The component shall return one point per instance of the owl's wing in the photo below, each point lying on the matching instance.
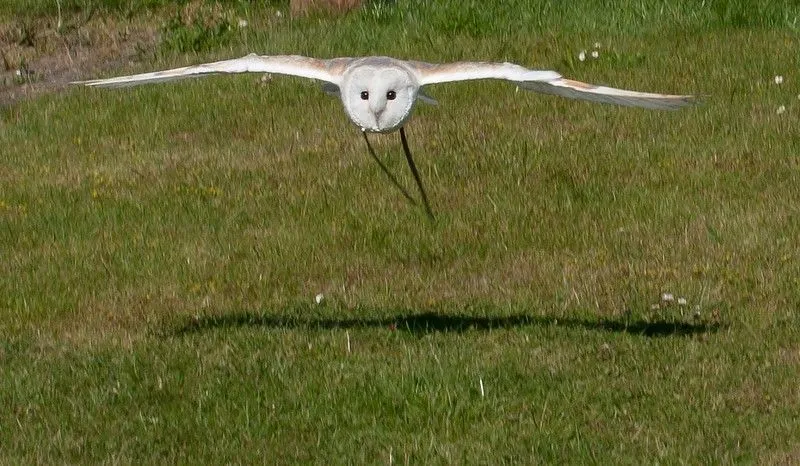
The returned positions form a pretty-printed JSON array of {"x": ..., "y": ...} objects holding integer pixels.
[
  {"x": 329, "y": 71},
  {"x": 547, "y": 82}
]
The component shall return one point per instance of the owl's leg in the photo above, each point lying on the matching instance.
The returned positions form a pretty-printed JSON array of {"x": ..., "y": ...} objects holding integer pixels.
[
  {"x": 388, "y": 173},
  {"x": 415, "y": 172}
]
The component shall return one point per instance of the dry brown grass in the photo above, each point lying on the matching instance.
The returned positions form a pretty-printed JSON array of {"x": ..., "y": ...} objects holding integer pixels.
[{"x": 50, "y": 59}]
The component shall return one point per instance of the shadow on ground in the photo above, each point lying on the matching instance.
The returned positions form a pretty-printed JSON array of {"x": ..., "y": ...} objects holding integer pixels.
[{"x": 431, "y": 322}]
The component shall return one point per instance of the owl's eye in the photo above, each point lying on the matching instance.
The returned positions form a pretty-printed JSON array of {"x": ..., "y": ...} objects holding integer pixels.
[
  {"x": 391, "y": 95},
  {"x": 364, "y": 95}
]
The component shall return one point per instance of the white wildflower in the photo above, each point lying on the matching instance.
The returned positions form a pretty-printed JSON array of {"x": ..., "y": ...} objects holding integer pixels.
[
  {"x": 278, "y": 14},
  {"x": 243, "y": 23},
  {"x": 595, "y": 54},
  {"x": 318, "y": 298},
  {"x": 781, "y": 110},
  {"x": 681, "y": 301},
  {"x": 597, "y": 45},
  {"x": 582, "y": 55},
  {"x": 667, "y": 297},
  {"x": 778, "y": 79}
]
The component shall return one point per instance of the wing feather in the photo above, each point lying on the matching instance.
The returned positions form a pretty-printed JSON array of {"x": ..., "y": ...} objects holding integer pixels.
[
  {"x": 609, "y": 95},
  {"x": 546, "y": 82},
  {"x": 324, "y": 70},
  {"x": 434, "y": 73}
]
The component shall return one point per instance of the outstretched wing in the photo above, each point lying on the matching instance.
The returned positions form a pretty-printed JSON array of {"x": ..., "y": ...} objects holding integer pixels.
[
  {"x": 329, "y": 71},
  {"x": 547, "y": 82}
]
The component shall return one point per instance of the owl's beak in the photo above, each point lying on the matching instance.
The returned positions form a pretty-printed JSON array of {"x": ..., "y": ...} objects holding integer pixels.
[
  {"x": 378, "y": 113},
  {"x": 377, "y": 108}
]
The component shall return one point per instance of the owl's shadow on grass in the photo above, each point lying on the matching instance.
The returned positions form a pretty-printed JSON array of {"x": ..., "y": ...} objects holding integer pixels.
[{"x": 421, "y": 323}]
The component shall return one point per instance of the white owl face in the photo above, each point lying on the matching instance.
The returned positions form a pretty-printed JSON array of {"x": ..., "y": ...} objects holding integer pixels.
[{"x": 379, "y": 100}]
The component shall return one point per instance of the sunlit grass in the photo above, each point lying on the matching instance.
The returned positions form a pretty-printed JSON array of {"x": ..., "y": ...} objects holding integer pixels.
[{"x": 162, "y": 248}]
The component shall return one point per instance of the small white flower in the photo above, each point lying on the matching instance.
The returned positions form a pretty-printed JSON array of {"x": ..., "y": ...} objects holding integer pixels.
[
  {"x": 318, "y": 298},
  {"x": 681, "y": 301},
  {"x": 582, "y": 55},
  {"x": 597, "y": 45},
  {"x": 781, "y": 110},
  {"x": 278, "y": 14},
  {"x": 19, "y": 72},
  {"x": 778, "y": 79},
  {"x": 667, "y": 297},
  {"x": 595, "y": 54},
  {"x": 243, "y": 23}
]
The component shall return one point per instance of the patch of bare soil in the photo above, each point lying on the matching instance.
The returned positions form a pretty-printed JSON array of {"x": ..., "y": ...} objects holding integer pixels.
[{"x": 38, "y": 56}]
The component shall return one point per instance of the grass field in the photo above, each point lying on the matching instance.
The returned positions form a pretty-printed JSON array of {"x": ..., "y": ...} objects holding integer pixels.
[{"x": 162, "y": 247}]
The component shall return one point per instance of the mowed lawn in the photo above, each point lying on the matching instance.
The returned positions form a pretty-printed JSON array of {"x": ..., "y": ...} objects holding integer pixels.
[{"x": 602, "y": 284}]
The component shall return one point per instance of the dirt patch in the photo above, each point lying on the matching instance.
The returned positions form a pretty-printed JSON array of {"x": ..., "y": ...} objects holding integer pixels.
[
  {"x": 39, "y": 57},
  {"x": 44, "y": 54}
]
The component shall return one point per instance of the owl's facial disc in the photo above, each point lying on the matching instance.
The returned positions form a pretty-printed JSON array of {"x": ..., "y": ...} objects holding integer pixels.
[{"x": 379, "y": 100}]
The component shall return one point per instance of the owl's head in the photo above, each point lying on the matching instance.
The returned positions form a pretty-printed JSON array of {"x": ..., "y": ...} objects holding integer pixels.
[{"x": 379, "y": 99}]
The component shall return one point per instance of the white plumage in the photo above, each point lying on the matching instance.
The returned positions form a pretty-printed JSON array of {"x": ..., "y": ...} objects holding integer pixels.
[{"x": 379, "y": 75}]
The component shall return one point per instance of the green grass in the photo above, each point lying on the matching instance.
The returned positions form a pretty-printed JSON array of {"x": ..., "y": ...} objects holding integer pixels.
[{"x": 162, "y": 247}]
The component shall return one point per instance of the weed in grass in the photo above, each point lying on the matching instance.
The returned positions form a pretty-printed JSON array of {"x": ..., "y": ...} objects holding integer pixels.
[{"x": 197, "y": 29}]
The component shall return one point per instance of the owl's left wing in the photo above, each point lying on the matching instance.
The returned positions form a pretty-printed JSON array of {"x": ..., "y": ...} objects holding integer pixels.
[
  {"x": 547, "y": 82},
  {"x": 329, "y": 70}
]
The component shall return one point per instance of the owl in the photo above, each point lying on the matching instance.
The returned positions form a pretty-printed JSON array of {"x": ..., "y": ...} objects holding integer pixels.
[{"x": 379, "y": 93}]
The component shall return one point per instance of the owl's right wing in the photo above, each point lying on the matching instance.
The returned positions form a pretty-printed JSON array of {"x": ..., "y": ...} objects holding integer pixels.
[
  {"x": 329, "y": 71},
  {"x": 546, "y": 82}
]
